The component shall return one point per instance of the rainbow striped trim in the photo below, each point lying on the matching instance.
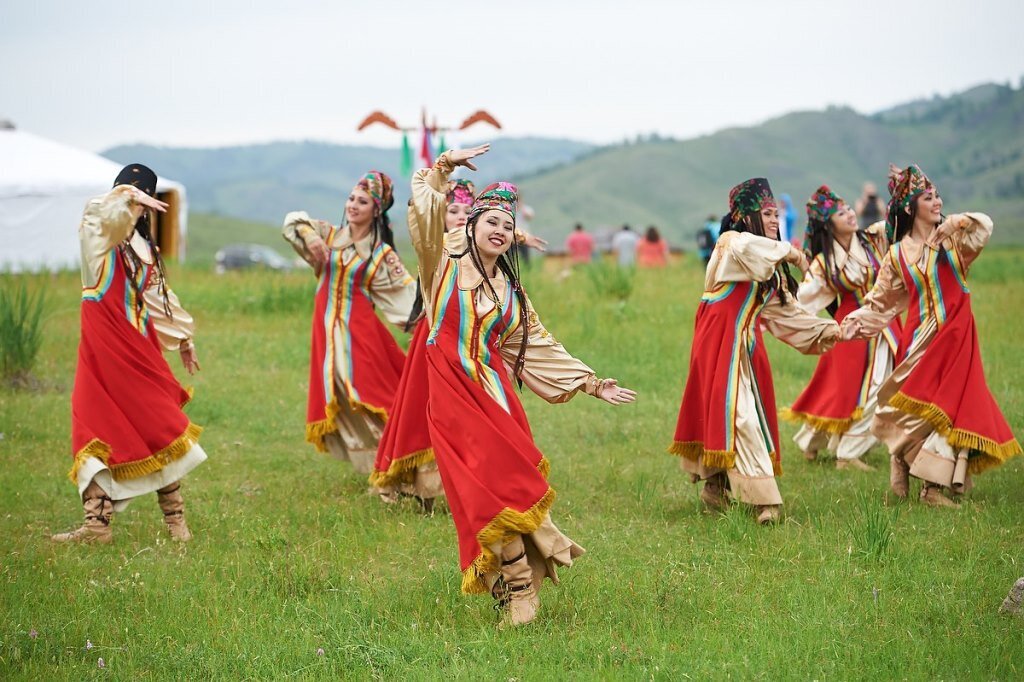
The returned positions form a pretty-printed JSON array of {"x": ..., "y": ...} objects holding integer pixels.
[
  {"x": 448, "y": 278},
  {"x": 717, "y": 294},
  {"x": 106, "y": 277},
  {"x": 731, "y": 392}
]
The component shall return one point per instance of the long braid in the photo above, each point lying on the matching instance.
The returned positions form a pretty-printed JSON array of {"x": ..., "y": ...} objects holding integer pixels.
[{"x": 136, "y": 265}]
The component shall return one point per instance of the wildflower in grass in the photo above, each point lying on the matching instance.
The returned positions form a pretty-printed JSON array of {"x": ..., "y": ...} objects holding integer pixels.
[
  {"x": 320, "y": 651},
  {"x": 88, "y": 644},
  {"x": 100, "y": 663},
  {"x": 32, "y": 634}
]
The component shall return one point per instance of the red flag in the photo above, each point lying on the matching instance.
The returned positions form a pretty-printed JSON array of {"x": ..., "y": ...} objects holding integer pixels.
[{"x": 426, "y": 149}]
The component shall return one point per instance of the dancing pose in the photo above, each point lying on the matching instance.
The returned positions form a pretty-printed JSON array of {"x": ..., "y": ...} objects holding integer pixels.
[
  {"x": 405, "y": 459},
  {"x": 727, "y": 433},
  {"x": 355, "y": 363},
  {"x": 484, "y": 335},
  {"x": 129, "y": 435},
  {"x": 838, "y": 404},
  {"x": 936, "y": 414}
]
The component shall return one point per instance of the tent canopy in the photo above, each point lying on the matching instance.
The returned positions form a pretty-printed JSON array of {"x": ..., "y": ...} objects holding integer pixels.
[{"x": 44, "y": 186}]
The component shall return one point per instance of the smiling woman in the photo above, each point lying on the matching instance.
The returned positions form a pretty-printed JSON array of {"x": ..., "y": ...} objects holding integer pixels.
[{"x": 484, "y": 334}]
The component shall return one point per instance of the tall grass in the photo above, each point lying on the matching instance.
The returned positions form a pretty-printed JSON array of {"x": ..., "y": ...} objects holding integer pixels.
[
  {"x": 610, "y": 281},
  {"x": 21, "y": 314}
]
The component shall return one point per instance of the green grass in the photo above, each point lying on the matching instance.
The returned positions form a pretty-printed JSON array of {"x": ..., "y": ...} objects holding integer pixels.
[{"x": 291, "y": 555}]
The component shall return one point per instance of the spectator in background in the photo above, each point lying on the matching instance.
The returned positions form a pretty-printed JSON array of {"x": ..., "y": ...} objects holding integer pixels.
[
  {"x": 788, "y": 218},
  {"x": 869, "y": 207},
  {"x": 652, "y": 251},
  {"x": 523, "y": 224},
  {"x": 624, "y": 245},
  {"x": 706, "y": 238},
  {"x": 580, "y": 245}
]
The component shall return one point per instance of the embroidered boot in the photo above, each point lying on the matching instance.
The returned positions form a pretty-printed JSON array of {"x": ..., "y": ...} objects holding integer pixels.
[
  {"x": 857, "y": 463},
  {"x": 173, "y": 507},
  {"x": 714, "y": 494},
  {"x": 518, "y": 578},
  {"x": 899, "y": 477},
  {"x": 99, "y": 509}
]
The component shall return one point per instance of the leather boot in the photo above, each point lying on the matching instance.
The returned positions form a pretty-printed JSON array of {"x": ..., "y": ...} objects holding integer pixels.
[
  {"x": 932, "y": 496},
  {"x": 99, "y": 509},
  {"x": 714, "y": 494},
  {"x": 899, "y": 477},
  {"x": 518, "y": 578},
  {"x": 173, "y": 507},
  {"x": 767, "y": 514},
  {"x": 857, "y": 463}
]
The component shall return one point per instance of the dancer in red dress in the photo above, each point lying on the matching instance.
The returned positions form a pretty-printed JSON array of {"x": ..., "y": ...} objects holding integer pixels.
[
  {"x": 838, "y": 405},
  {"x": 355, "y": 363},
  {"x": 484, "y": 336},
  {"x": 129, "y": 436},
  {"x": 936, "y": 414},
  {"x": 727, "y": 433}
]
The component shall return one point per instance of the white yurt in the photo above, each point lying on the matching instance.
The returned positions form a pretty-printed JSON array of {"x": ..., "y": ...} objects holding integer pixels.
[{"x": 44, "y": 186}]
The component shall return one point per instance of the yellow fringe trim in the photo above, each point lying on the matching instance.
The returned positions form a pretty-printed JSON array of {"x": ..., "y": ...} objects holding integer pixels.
[
  {"x": 128, "y": 470},
  {"x": 992, "y": 454},
  {"x": 502, "y": 529},
  {"x": 402, "y": 469},
  {"x": 315, "y": 431},
  {"x": 191, "y": 393},
  {"x": 694, "y": 450},
  {"x": 825, "y": 424},
  {"x": 544, "y": 467}
]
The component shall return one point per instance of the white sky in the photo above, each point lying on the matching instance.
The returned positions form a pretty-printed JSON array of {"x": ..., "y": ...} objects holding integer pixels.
[{"x": 96, "y": 73}]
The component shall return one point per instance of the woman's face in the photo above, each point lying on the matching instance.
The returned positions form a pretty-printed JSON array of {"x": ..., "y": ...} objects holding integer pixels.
[
  {"x": 455, "y": 216},
  {"x": 929, "y": 207},
  {"x": 359, "y": 209},
  {"x": 493, "y": 233},
  {"x": 844, "y": 221},
  {"x": 770, "y": 221}
]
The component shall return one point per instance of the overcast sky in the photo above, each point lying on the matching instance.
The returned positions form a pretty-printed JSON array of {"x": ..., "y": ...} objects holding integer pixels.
[{"x": 220, "y": 72}]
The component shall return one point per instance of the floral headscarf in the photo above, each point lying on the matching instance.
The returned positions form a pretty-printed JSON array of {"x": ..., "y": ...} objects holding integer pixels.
[
  {"x": 904, "y": 185},
  {"x": 749, "y": 197},
  {"x": 501, "y": 196},
  {"x": 378, "y": 186},
  {"x": 460, "y": 191}
]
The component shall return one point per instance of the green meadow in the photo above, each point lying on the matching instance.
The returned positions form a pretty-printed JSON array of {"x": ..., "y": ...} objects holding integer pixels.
[{"x": 296, "y": 572}]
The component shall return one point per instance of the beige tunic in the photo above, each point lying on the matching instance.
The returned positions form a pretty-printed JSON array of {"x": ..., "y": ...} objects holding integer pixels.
[
  {"x": 549, "y": 371},
  {"x": 744, "y": 257},
  {"x": 393, "y": 292},
  {"x": 909, "y": 437},
  {"x": 815, "y": 294},
  {"x": 108, "y": 221}
]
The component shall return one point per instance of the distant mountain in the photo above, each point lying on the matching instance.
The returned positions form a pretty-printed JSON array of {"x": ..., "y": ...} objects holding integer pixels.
[
  {"x": 263, "y": 182},
  {"x": 970, "y": 144}
]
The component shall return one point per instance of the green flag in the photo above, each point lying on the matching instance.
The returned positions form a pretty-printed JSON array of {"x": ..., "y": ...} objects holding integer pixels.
[{"x": 406, "y": 166}]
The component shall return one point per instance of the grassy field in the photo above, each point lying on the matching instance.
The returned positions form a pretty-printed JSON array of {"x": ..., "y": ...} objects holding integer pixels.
[{"x": 296, "y": 573}]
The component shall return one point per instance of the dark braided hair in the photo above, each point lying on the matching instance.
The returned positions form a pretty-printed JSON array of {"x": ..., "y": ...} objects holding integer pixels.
[
  {"x": 753, "y": 224},
  {"x": 136, "y": 266},
  {"x": 820, "y": 240},
  {"x": 508, "y": 263}
]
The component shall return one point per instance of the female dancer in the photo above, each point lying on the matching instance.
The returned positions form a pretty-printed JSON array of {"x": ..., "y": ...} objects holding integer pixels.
[
  {"x": 129, "y": 435},
  {"x": 405, "y": 460},
  {"x": 483, "y": 335},
  {"x": 937, "y": 416},
  {"x": 839, "y": 403},
  {"x": 727, "y": 432},
  {"x": 355, "y": 363}
]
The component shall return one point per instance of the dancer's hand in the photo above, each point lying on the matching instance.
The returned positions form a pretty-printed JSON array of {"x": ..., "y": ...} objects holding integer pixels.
[
  {"x": 461, "y": 157},
  {"x": 189, "y": 359},
  {"x": 143, "y": 199},
  {"x": 318, "y": 251},
  {"x": 612, "y": 393},
  {"x": 798, "y": 258},
  {"x": 535, "y": 242},
  {"x": 850, "y": 329},
  {"x": 945, "y": 229}
]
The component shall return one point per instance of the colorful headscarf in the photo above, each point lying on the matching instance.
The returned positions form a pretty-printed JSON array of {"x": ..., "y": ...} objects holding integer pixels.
[
  {"x": 378, "y": 186},
  {"x": 822, "y": 205},
  {"x": 500, "y": 196},
  {"x": 461, "y": 191},
  {"x": 904, "y": 185},
  {"x": 749, "y": 197}
]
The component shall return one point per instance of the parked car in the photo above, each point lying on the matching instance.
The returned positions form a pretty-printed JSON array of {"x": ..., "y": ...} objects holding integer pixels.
[{"x": 242, "y": 256}]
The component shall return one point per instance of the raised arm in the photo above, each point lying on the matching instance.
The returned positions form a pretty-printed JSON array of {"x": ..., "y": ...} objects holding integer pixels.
[
  {"x": 392, "y": 289},
  {"x": 552, "y": 373},
  {"x": 815, "y": 292},
  {"x": 308, "y": 237},
  {"x": 745, "y": 257},
  {"x": 969, "y": 232}
]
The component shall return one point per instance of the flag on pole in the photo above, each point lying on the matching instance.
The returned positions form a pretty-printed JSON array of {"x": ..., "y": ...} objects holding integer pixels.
[
  {"x": 426, "y": 149},
  {"x": 441, "y": 147},
  {"x": 406, "y": 156}
]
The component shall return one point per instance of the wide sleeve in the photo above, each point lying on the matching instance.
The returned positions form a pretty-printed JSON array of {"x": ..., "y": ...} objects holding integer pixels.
[
  {"x": 815, "y": 294},
  {"x": 745, "y": 257},
  {"x": 174, "y": 331},
  {"x": 426, "y": 218},
  {"x": 109, "y": 220},
  {"x": 789, "y": 323},
  {"x": 887, "y": 299},
  {"x": 973, "y": 237},
  {"x": 392, "y": 289},
  {"x": 298, "y": 226},
  {"x": 549, "y": 370}
]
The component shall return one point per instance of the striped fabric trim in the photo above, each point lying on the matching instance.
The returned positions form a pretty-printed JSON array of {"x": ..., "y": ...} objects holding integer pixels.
[{"x": 106, "y": 277}]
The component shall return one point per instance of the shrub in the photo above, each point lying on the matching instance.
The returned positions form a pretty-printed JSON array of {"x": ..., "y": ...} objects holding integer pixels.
[{"x": 20, "y": 332}]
